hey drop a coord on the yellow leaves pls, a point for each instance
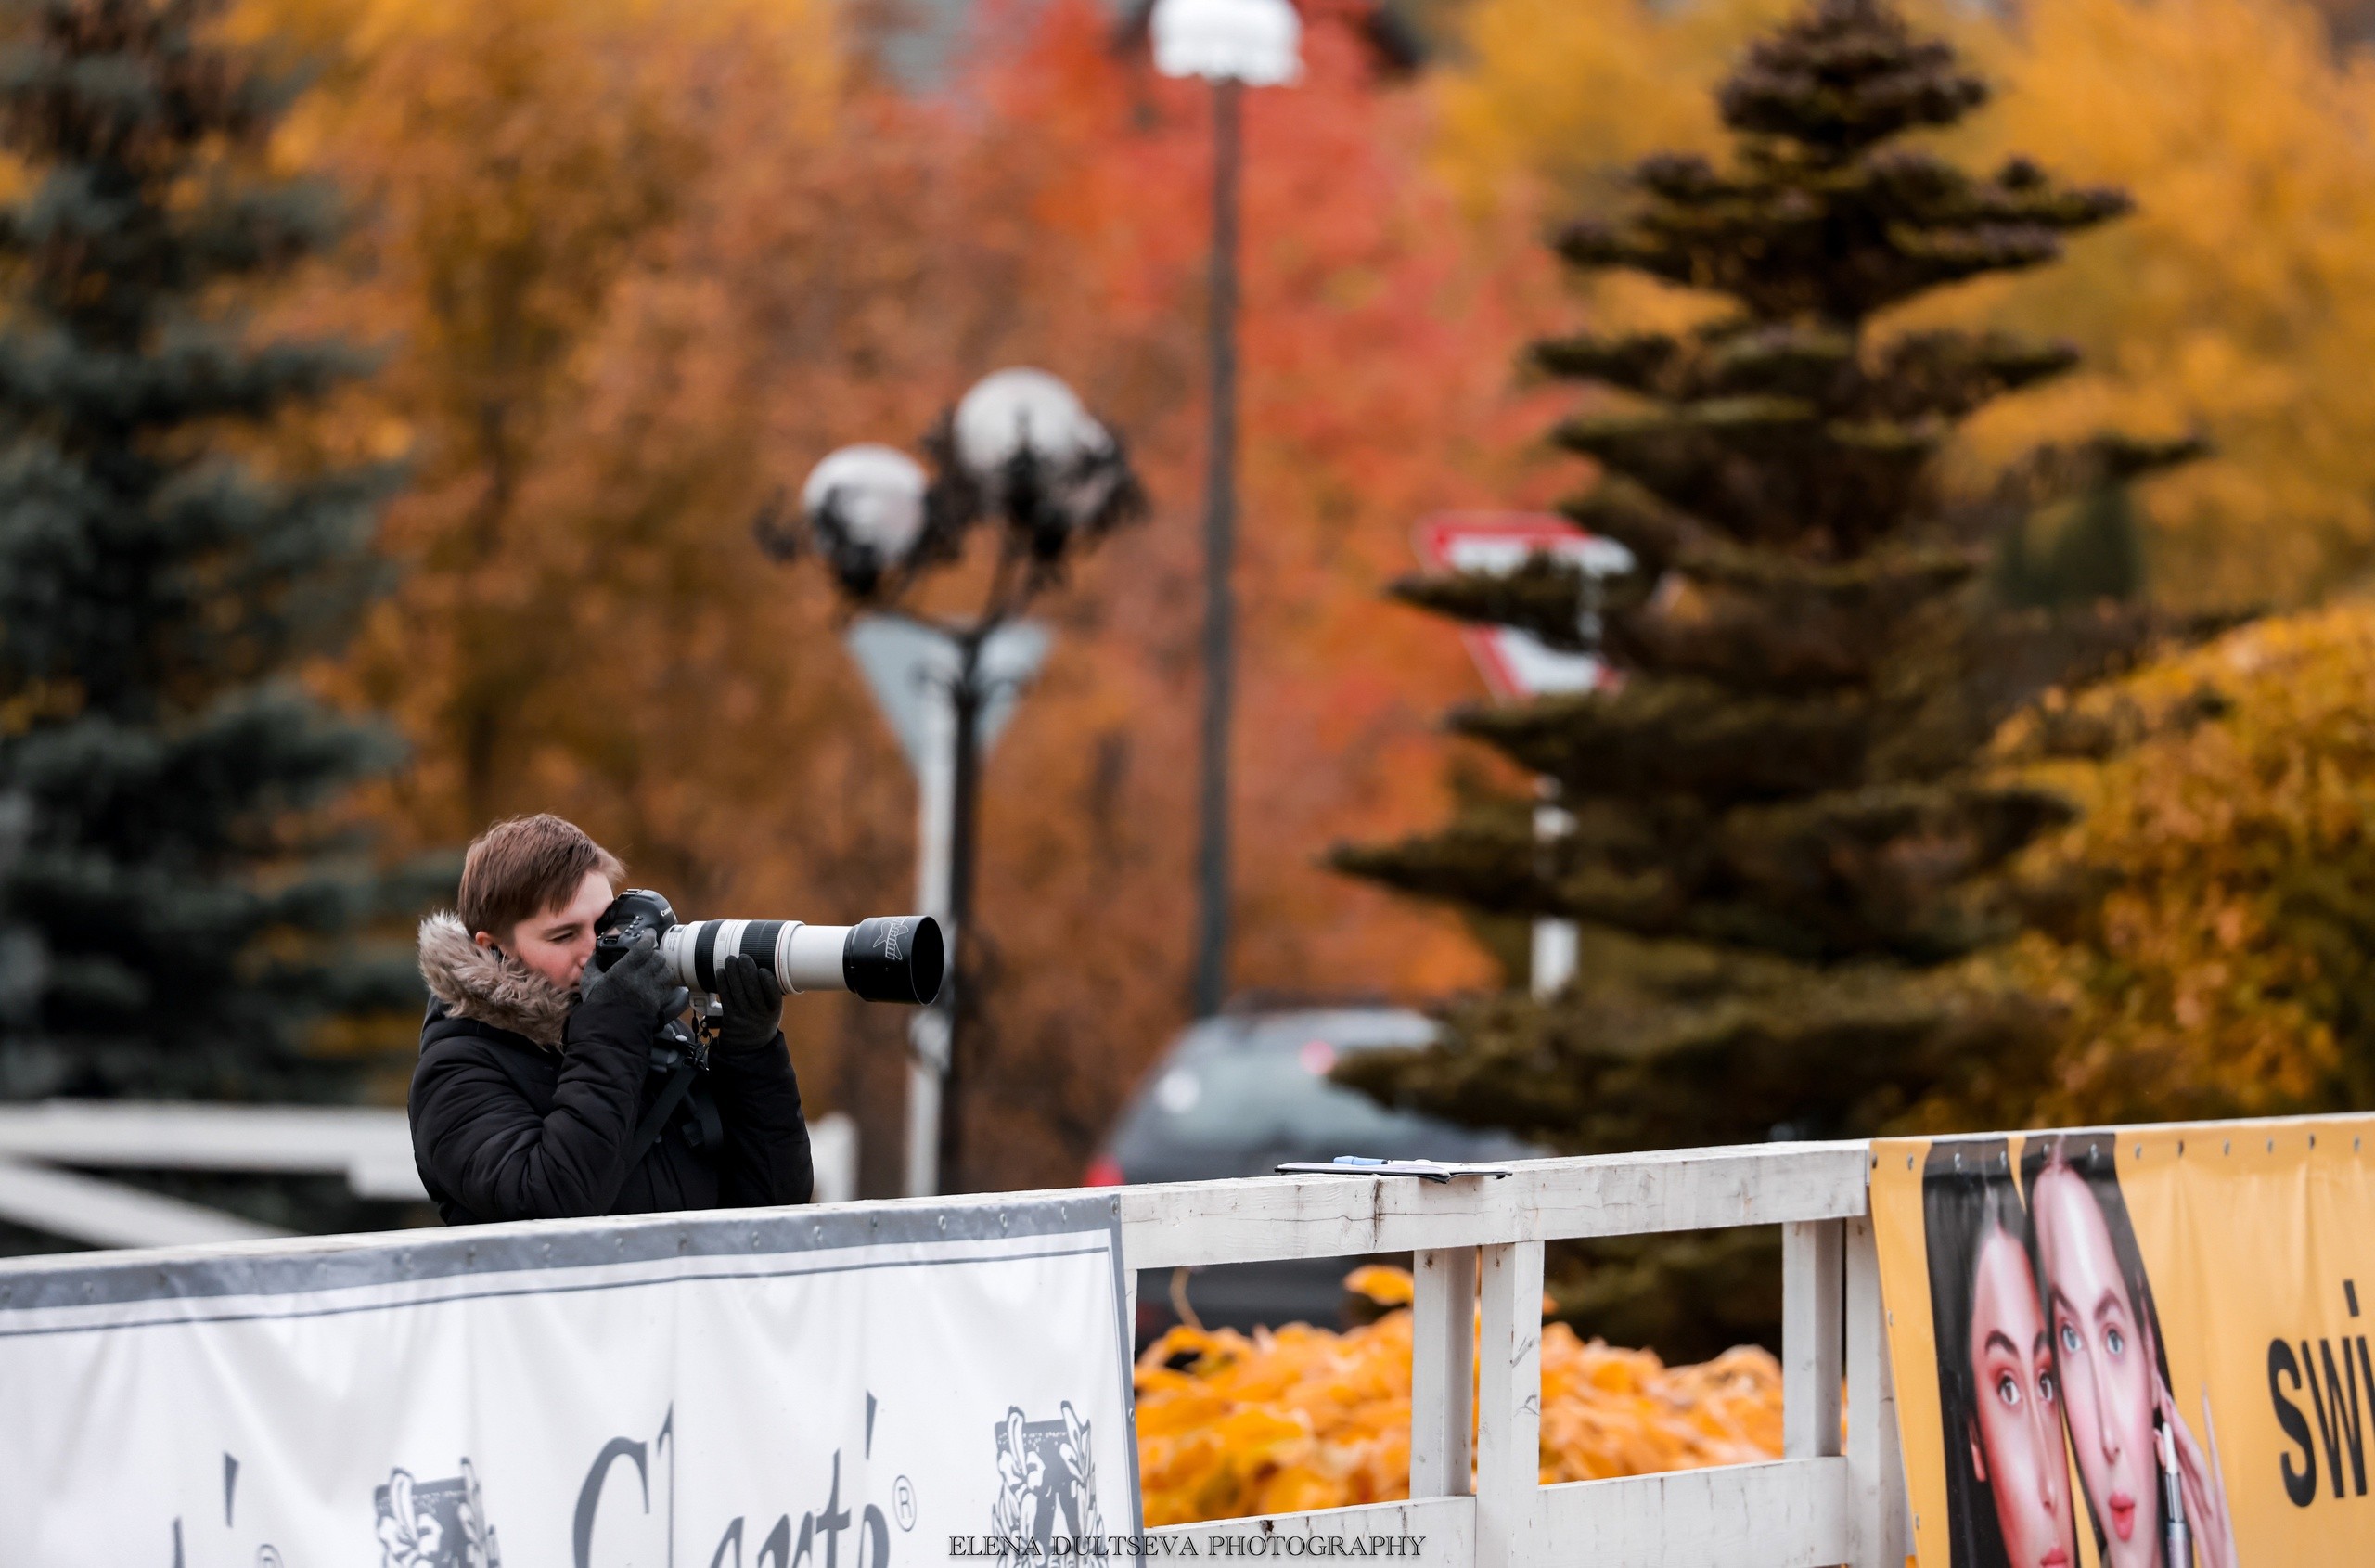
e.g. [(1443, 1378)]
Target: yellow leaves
[(1387, 1286), (1609, 1412), (2241, 296), (2223, 880), (1564, 90), (1299, 1418)]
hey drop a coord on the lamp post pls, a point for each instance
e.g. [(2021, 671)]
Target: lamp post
[(1020, 457), (1231, 44)]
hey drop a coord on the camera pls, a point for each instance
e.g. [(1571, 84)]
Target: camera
[(888, 958)]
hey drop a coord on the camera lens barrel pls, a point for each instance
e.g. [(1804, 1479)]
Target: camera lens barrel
[(889, 958)]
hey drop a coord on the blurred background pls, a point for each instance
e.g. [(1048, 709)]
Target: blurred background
[(391, 387)]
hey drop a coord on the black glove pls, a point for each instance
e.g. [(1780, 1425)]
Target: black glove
[(754, 1004), (640, 981)]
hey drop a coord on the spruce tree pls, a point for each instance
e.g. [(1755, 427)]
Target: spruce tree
[(162, 580), (1781, 842)]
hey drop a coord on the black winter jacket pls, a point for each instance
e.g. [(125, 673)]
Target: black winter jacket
[(524, 1106)]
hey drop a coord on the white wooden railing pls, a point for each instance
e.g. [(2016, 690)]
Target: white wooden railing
[(40, 1141), (1478, 1253)]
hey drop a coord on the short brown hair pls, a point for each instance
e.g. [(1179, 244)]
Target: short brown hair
[(524, 865)]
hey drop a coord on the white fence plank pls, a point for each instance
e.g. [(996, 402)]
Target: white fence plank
[(1443, 1371), (1168, 1225), (371, 1147), (1791, 1514), (1426, 1533), (1813, 1295), (1509, 1401), (108, 1214)]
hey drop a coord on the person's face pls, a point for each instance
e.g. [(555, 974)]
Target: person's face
[(2016, 1441), (556, 941), (2106, 1365)]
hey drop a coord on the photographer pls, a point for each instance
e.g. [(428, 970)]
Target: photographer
[(549, 1089)]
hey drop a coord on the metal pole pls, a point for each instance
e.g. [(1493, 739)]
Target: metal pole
[(927, 1032), (966, 699), (1220, 548)]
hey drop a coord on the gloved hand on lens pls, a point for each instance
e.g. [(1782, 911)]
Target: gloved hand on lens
[(753, 1005), (640, 981)]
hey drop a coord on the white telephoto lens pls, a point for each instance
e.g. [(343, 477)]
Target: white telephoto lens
[(809, 958), (676, 951)]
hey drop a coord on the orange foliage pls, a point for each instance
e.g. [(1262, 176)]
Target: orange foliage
[(1301, 1417), (2218, 962), (639, 266)]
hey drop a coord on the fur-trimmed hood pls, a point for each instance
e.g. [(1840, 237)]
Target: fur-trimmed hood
[(479, 982)]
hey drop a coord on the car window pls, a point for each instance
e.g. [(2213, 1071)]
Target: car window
[(1239, 1089)]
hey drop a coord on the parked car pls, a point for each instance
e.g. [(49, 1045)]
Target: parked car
[(1236, 1095)]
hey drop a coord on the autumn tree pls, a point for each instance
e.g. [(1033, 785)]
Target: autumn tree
[(2235, 301), (161, 587), (1781, 841)]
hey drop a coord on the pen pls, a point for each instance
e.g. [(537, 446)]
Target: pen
[(2176, 1549)]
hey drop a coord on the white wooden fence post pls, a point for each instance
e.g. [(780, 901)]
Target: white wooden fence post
[(1812, 1288), (1508, 1402), (1876, 1508), (1443, 1371)]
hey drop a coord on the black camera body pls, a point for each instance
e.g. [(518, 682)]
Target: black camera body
[(887, 959), (633, 915)]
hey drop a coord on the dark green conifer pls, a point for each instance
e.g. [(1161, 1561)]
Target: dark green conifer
[(161, 583), (1780, 840)]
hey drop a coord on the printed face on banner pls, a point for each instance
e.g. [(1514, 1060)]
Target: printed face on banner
[(2111, 1347), (2014, 1428), (2116, 1393), (769, 1389)]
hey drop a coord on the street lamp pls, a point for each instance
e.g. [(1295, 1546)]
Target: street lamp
[(864, 508), (1021, 456), (1232, 43)]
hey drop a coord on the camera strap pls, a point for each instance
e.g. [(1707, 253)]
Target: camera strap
[(680, 1084)]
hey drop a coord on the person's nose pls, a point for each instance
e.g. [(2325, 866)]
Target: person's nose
[(2041, 1424), (2106, 1429)]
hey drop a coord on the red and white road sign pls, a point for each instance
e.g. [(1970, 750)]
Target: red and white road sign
[(1518, 663)]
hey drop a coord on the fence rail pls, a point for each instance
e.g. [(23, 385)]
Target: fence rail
[(42, 1142), (1833, 1498), (1477, 1246)]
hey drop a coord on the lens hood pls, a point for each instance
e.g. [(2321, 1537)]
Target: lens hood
[(895, 958)]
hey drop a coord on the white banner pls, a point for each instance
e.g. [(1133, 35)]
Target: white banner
[(863, 1387)]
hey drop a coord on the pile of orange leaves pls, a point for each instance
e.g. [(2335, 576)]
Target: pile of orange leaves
[(1303, 1418)]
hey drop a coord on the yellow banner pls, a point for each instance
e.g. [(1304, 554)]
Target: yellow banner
[(2141, 1347)]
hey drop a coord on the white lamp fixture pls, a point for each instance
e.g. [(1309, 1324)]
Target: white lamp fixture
[(1256, 42), (874, 493), (1074, 461), (1010, 412)]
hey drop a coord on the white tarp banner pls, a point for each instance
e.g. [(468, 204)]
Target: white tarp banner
[(845, 1388)]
